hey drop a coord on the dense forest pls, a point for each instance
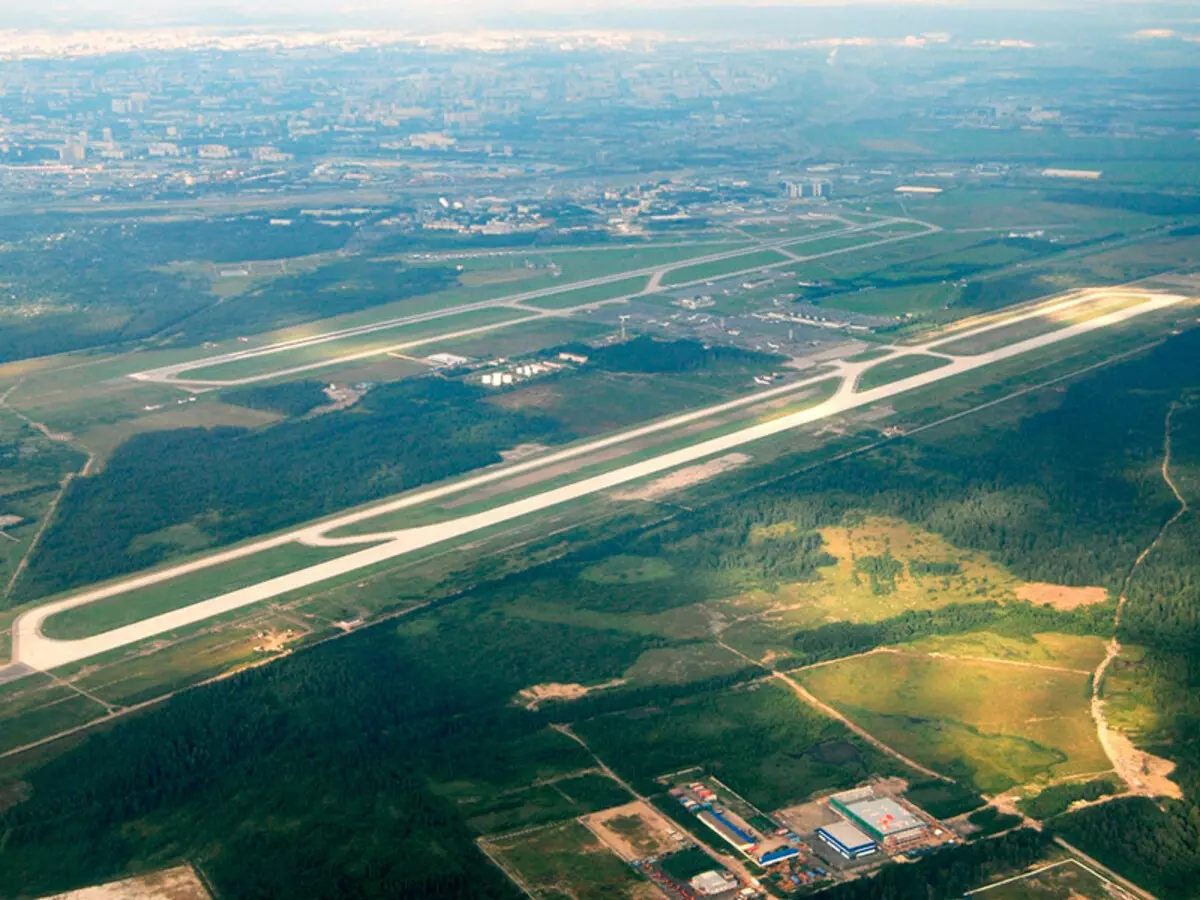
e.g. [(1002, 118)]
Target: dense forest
[(948, 873), (270, 780), (1018, 620), (290, 398), (645, 354), (233, 483), (131, 294), (340, 744), (346, 285)]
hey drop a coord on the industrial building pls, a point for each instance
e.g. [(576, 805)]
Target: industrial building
[(881, 817), (765, 848), (722, 824), (846, 840), (711, 884)]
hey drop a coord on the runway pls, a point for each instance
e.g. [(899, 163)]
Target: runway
[(33, 649)]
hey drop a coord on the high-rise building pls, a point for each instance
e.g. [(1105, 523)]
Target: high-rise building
[(807, 188), (74, 151)]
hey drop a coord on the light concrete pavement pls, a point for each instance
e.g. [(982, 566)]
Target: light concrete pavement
[(34, 649), (177, 373)]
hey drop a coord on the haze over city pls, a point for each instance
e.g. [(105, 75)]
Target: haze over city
[(661, 450)]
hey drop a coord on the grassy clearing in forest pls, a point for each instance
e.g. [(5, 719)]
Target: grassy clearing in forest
[(993, 724), (568, 861)]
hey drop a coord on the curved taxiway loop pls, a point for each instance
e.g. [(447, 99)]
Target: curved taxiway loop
[(32, 648)]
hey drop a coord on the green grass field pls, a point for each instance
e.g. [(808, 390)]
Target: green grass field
[(1069, 881), (910, 300), (761, 740), (869, 355), (995, 725), (833, 242), (372, 342), (712, 270), (133, 606), (593, 294), (896, 369), (568, 861), (520, 338)]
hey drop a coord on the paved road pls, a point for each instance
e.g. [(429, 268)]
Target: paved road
[(31, 647)]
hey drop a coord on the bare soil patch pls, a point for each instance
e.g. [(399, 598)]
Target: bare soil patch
[(807, 817), (1146, 773), (522, 451), (537, 397), (180, 883), (685, 477), (634, 831), (534, 695), (495, 276), (1061, 596)]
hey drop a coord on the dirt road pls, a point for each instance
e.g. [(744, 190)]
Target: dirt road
[(825, 709), (1143, 773)]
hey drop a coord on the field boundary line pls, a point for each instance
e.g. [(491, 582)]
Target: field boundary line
[(486, 849), (1112, 877), (52, 509), (1027, 874)]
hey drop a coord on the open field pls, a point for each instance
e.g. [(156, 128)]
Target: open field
[(596, 294), (1080, 652), (179, 883), (707, 271), (898, 367), (308, 357), (995, 725), (1065, 880), (132, 606), (880, 570), (34, 648), (760, 739), (568, 861)]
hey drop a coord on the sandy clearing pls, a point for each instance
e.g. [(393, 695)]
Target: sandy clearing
[(1060, 596), (1142, 772), (653, 837), (30, 646), (540, 396), (180, 883), (682, 478), (536, 694)]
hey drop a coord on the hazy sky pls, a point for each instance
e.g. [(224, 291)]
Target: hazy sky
[(420, 14)]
